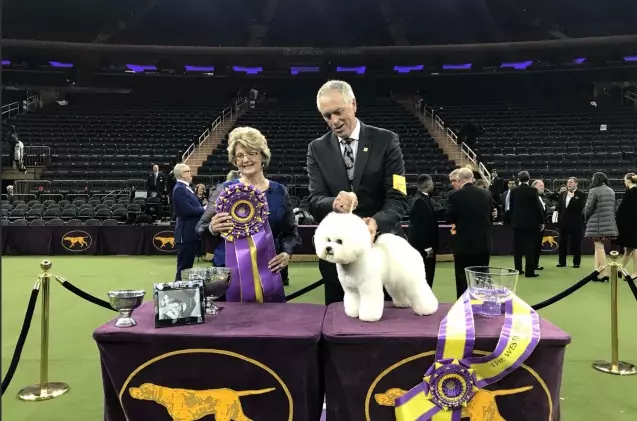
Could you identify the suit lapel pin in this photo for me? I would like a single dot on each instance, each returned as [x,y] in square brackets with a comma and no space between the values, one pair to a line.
[365,149]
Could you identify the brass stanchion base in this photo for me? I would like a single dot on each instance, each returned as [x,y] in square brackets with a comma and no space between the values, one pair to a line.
[36,393]
[621,369]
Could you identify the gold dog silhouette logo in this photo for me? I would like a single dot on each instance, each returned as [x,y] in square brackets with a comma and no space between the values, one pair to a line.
[77,241]
[164,241]
[191,405]
[486,405]
[147,392]
[550,240]
[482,407]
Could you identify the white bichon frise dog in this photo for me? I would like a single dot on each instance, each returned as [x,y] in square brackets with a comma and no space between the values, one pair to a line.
[363,268]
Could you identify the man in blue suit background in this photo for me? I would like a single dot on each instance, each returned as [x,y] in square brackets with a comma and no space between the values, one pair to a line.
[188,210]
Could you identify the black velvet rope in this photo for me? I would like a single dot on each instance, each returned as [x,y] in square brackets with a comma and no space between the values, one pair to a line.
[88,297]
[568,291]
[304,290]
[26,325]
[631,285]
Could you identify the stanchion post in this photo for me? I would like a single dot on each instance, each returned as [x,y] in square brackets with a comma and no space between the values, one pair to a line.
[45,390]
[614,366]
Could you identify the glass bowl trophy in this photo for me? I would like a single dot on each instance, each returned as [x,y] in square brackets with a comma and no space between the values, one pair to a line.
[216,282]
[493,286]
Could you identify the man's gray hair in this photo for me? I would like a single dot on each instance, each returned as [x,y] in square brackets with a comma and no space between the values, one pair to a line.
[454,173]
[179,169]
[536,182]
[340,86]
[465,174]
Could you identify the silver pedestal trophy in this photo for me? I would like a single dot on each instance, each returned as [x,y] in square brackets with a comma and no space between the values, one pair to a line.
[216,282]
[126,301]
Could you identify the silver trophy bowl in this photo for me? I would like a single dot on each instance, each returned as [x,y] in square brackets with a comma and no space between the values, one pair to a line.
[216,282]
[125,301]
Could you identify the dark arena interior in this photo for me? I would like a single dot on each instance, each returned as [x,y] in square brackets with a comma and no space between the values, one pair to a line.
[96,94]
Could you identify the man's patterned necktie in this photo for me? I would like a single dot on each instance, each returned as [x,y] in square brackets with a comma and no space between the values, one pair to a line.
[348,157]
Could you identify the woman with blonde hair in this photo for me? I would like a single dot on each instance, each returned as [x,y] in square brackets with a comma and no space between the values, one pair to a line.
[248,151]
[626,222]
[599,214]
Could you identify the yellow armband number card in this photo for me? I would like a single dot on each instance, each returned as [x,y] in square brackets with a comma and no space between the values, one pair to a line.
[400,184]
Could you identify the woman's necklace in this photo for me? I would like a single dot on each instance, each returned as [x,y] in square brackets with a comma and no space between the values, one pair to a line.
[263,186]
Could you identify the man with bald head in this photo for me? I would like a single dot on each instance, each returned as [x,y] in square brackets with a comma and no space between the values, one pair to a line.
[188,210]
[469,208]
[354,167]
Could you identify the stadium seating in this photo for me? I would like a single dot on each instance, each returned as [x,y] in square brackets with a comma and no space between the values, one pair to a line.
[551,141]
[114,137]
[290,127]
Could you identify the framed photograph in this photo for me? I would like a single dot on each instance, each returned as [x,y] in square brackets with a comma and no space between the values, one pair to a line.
[179,303]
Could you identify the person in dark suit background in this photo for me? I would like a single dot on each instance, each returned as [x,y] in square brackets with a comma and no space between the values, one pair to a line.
[156,182]
[188,210]
[527,222]
[469,208]
[423,227]
[539,186]
[171,181]
[505,203]
[570,219]
[354,166]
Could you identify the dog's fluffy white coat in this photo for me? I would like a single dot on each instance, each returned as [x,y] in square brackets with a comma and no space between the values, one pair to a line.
[363,268]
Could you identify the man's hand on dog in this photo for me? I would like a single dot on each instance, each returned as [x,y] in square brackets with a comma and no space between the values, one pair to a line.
[372,226]
[344,201]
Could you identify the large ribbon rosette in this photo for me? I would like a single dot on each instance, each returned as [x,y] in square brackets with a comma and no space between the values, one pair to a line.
[456,376]
[249,246]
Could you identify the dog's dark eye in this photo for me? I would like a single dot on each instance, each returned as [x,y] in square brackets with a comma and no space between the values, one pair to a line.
[328,240]
[339,241]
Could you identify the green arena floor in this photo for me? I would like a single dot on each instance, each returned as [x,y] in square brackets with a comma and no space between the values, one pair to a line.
[587,395]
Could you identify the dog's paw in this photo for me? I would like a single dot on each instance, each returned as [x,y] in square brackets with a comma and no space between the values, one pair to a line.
[351,311]
[370,317]
[400,303]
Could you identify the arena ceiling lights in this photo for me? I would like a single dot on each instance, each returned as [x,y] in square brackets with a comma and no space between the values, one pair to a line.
[359,70]
[296,70]
[247,70]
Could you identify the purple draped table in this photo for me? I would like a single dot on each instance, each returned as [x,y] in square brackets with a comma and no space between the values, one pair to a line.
[265,356]
[365,361]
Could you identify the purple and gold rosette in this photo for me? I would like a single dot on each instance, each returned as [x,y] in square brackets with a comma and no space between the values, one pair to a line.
[453,380]
[249,246]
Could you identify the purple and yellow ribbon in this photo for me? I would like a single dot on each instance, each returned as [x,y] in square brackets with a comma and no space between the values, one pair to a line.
[249,246]
[455,377]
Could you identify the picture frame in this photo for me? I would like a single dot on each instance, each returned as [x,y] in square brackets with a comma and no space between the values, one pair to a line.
[179,303]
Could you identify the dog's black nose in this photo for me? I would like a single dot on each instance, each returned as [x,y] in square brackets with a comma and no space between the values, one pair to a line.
[328,249]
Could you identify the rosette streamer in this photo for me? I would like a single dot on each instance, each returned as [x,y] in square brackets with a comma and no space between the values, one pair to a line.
[453,380]
[249,246]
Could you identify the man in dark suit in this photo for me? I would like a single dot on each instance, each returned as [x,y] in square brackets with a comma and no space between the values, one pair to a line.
[469,209]
[354,166]
[539,186]
[570,219]
[423,227]
[156,183]
[527,222]
[188,210]
[505,203]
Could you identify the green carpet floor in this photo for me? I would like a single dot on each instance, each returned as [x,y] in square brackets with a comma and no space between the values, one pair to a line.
[587,395]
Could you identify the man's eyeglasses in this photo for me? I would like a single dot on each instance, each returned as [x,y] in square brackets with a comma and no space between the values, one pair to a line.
[251,155]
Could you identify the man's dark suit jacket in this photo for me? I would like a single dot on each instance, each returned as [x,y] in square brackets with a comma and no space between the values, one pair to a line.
[526,209]
[158,186]
[423,227]
[188,211]
[573,215]
[378,159]
[469,208]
